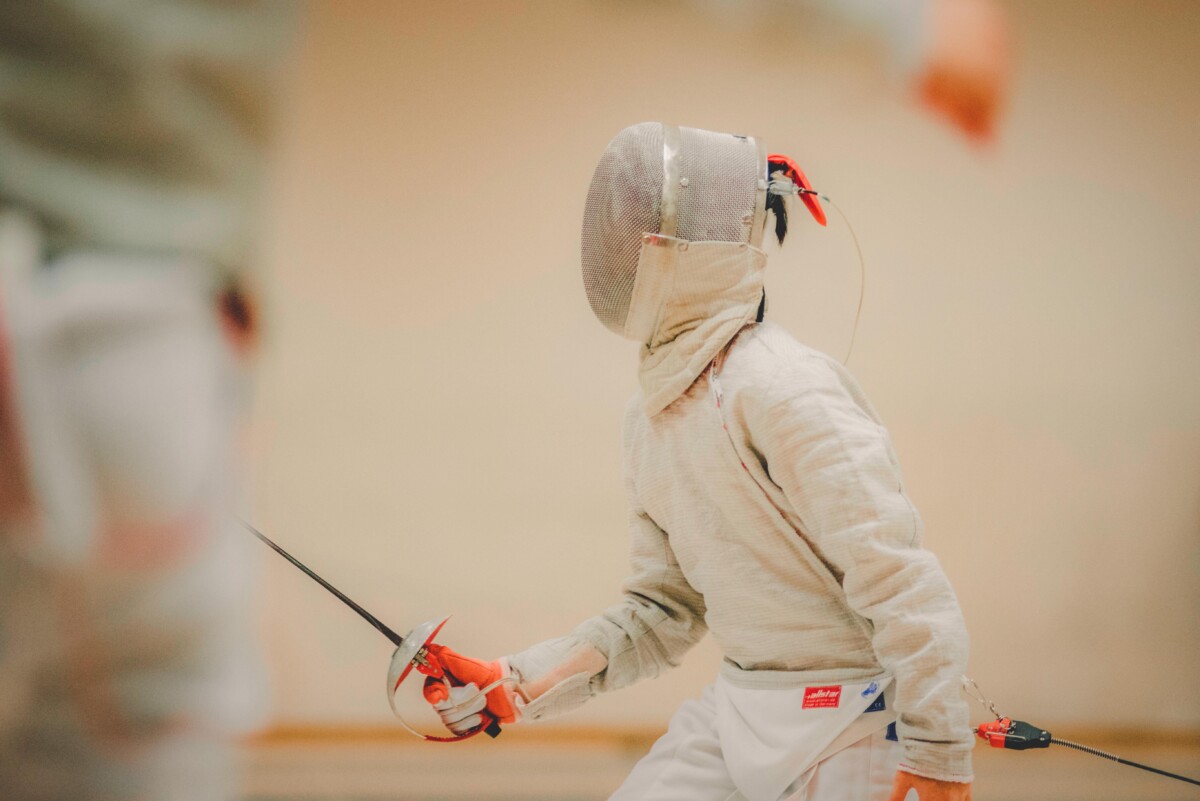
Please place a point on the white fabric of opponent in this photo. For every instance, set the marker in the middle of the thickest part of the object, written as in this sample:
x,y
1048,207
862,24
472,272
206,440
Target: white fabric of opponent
x,y
695,759
127,654
767,505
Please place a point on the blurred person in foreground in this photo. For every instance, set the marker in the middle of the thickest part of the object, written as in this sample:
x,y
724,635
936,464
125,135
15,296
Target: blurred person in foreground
x,y
132,144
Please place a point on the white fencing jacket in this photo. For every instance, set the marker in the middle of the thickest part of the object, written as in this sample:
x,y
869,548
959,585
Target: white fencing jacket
x,y
766,506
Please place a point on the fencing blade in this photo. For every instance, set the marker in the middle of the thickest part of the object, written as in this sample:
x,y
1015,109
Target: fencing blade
x,y
396,639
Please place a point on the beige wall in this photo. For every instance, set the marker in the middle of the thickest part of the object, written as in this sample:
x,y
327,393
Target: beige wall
x,y
437,416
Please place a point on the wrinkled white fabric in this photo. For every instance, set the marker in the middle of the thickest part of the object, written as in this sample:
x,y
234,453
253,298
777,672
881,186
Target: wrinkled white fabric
x,y
555,675
691,762
708,290
770,737
766,505
562,697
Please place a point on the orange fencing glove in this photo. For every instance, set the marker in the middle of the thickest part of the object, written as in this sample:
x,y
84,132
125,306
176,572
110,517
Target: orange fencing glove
x,y
467,672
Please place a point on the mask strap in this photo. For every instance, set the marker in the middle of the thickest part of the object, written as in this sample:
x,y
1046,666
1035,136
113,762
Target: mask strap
x,y
668,214
758,222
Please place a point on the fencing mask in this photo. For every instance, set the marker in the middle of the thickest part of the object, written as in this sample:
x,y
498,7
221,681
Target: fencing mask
x,y
680,183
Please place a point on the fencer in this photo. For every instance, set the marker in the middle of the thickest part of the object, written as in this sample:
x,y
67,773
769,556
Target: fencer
x,y
766,506
133,139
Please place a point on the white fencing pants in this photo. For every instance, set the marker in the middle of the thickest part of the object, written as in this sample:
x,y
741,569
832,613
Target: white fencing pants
x,y
687,764
126,648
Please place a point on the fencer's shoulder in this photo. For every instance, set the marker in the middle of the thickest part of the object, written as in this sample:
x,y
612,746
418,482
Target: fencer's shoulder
x,y
774,370
768,354
774,341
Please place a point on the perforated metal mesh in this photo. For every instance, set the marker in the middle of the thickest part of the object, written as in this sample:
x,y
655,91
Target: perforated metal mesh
x,y
715,195
622,204
721,171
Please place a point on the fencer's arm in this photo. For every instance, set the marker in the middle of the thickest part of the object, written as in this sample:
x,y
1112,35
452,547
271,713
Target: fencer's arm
x,y
660,617
584,659
829,453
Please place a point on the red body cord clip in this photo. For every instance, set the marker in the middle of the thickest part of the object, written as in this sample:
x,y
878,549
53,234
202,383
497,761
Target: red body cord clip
x,y
792,170
995,732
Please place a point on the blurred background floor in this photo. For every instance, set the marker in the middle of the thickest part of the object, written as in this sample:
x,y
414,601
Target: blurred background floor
x,y
584,770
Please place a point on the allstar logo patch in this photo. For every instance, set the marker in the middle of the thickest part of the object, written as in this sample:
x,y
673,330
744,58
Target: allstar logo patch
x,y
822,697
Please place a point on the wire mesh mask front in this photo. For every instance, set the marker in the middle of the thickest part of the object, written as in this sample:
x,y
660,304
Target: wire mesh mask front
x,y
653,178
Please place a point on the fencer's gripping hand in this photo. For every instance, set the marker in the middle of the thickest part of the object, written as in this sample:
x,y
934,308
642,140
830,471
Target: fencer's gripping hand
x,y
461,708
928,789
967,70
464,671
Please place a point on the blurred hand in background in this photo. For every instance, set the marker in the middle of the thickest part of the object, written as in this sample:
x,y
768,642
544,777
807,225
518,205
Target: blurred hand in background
x,y
966,70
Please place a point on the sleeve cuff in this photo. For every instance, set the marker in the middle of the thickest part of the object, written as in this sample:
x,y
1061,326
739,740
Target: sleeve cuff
x,y
947,762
